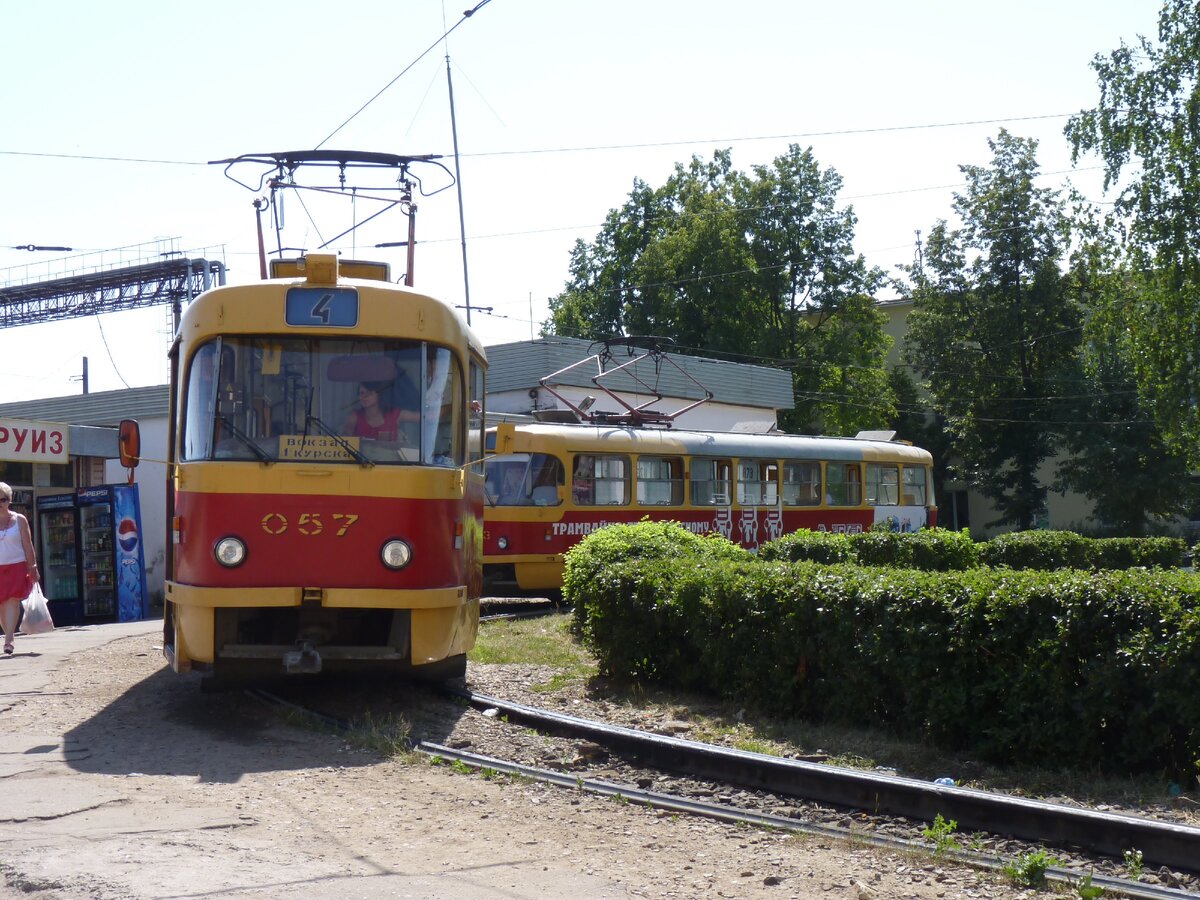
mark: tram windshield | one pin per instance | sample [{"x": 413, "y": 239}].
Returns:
[
  {"x": 523, "y": 479},
  {"x": 328, "y": 400}
]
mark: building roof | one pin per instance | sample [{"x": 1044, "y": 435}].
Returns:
[
  {"x": 521, "y": 365},
  {"x": 102, "y": 408}
]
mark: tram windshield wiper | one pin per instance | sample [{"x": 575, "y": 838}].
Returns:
[
  {"x": 245, "y": 439},
  {"x": 341, "y": 441}
]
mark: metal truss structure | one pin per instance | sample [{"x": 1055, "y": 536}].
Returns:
[{"x": 173, "y": 281}]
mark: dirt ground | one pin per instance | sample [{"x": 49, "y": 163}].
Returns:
[{"x": 120, "y": 779}]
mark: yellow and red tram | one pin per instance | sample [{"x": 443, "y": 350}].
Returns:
[
  {"x": 549, "y": 485},
  {"x": 302, "y": 539}
]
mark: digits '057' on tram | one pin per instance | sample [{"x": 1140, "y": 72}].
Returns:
[
  {"x": 324, "y": 511},
  {"x": 549, "y": 485}
]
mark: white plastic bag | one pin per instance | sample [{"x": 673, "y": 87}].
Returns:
[{"x": 37, "y": 614}]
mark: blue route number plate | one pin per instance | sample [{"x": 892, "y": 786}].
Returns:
[{"x": 322, "y": 307}]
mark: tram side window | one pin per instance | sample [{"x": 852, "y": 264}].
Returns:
[
  {"x": 758, "y": 482},
  {"x": 475, "y": 424},
  {"x": 843, "y": 484},
  {"x": 711, "y": 482},
  {"x": 660, "y": 480},
  {"x": 199, "y": 404},
  {"x": 883, "y": 484},
  {"x": 801, "y": 484},
  {"x": 216, "y": 423},
  {"x": 441, "y": 438},
  {"x": 600, "y": 480},
  {"x": 914, "y": 486}
]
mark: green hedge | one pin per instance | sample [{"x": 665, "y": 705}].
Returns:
[
  {"x": 1068, "y": 550},
  {"x": 1089, "y": 669},
  {"x": 586, "y": 568},
  {"x": 941, "y": 550},
  {"x": 810, "y": 546}
]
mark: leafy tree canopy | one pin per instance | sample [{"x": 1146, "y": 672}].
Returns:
[
  {"x": 1118, "y": 457},
  {"x": 757, "y": 267},
  {"x": 1146, "y": 129},
  {"x": 993, "y": 331}
]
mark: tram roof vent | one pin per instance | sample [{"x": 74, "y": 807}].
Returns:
[{"x": 303, "y": 266}]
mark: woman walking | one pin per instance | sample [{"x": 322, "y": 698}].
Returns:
[{"x": 18, "y": 565}]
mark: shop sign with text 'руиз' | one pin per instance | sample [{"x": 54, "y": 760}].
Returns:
[{"x": 24, "y": 440}]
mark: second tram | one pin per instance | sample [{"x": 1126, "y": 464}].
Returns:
[{"x": 549, "y": 485}]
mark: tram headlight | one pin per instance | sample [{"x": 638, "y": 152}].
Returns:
[
  {"x": 396, "y": 554},
  {"x": 230, "y": 552},
  {"x": 502, "y": 543}
]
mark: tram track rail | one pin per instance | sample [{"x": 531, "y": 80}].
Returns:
[
  {"x": 690, "y": 806},
  {"x": 1103, "y": 834},
  {"x": 1161, "y": 843},
  {"x": 500, "y": 609}
]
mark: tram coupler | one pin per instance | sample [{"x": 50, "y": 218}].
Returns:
[{"x": 304, "y": 661}]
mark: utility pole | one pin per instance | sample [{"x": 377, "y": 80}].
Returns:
[{"x": 462, "y": 228}]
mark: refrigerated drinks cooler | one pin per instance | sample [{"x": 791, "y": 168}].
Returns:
[{"x": 93, "y": 567}]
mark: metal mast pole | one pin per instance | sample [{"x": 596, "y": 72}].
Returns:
[{"x": 462, "y": 228}]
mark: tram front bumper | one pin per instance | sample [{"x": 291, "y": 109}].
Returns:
[{"x": 441, "y": 622}]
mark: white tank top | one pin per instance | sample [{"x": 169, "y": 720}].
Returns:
[{"x": 11, "y": 550}]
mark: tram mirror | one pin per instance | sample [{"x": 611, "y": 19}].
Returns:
[
  {"x": 129, "y": 443},
  {"x": 361, "y": 368}
]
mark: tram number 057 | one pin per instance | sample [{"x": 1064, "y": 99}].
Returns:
[{"x": 309, "y": 524}]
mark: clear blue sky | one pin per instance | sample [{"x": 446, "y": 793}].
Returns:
[{"x": 112, "y": 110}]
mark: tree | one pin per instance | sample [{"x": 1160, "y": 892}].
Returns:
[
  {"x": 1146, "y": 129},
  {"x": 1118, "y": 457},
  {"x": 671, "y": 262},
  {"x": 742, "y": 266},
  {"x": 993, "y": 330},
  {"x": 819, "y": 308}
]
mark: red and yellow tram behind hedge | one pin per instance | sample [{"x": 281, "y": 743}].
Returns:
[
  {"x": 550, "y": 485},
  {"x": 301, "y": 541}
]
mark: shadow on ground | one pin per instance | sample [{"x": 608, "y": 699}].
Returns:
[{"x": 166, "y": 725}]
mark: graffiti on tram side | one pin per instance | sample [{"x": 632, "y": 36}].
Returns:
[
  {"x": 750, "y": 527},
  {"x": 754, "y": 526}
]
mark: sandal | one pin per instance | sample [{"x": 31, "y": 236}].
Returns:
[{"x": 8, "y": 649}]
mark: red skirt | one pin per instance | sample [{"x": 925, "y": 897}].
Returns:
[{"x": 15, "y": 583}]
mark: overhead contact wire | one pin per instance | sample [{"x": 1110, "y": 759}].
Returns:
[{"x": 466, "y": 15}]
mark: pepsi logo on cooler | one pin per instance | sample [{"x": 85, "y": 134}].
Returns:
[{"x": 127, "y": 535}]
